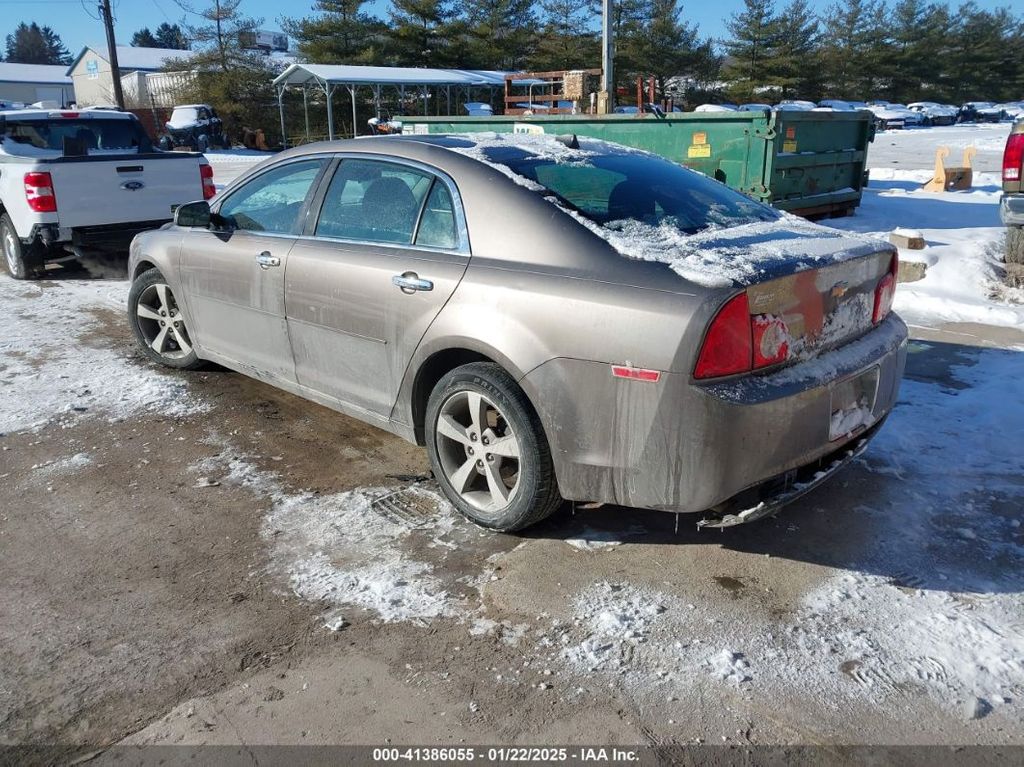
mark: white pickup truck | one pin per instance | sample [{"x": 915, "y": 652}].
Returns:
[{"x": 79, "y": 183}]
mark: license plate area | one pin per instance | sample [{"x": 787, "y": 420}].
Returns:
[{"x": 853, "y": 404}]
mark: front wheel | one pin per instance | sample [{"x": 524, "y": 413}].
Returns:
[
  {"x": 488, "y": 450},
  {"x": 23, "y": 261},
  {"x": 158, "y": 324}
]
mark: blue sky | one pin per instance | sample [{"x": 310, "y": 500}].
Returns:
[{"x": 73, "y": 22}]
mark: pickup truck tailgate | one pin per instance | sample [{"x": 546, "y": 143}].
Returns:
[{"x": 95, "y": 192}]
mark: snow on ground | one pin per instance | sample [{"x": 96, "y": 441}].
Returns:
[
  {"x": 49, "y": 369},
  {"x": 864, "y": 637},
  {"x": 341, "y": 551},
  {"x": 964, "y": 240}
]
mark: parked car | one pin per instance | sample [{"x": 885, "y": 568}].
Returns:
[
  {"x": 886, "y": 118},
  {"x": 1011, "y": 204},
  {"x": 836, "y": 105},
  {"x": 196, "y": 127},
  {"x": 796, "y": 106},
  {"x": 933, "y": 113},
  {"x": 716, "y": 108},
  {"x": 1011, "y": 110},
  {"x": 78, "y": 183},
  {"x": 979, "y": 112},
  {"x": 755, "y": 108},
  {"x": 515, "y": 304}
]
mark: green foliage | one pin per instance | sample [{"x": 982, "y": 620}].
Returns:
[
  {"x": 339, "y": 32},
  {"x": 170, "y": 36},
  {"x": 217, "y": 39},
  {"x": 32, "y": 44},
  {"x": 144, "y": 39}
]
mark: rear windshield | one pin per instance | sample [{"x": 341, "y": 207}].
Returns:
[
  {"x": 611, "y": 189},
  {"x": 97, "y": 133}
]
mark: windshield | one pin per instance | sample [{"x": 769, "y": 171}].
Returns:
[
  {"x": 111, "y": 134},
  {"x": 615, "y": 189},
  {"x": 184, "y": 116}
]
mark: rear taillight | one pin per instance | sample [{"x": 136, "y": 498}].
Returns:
[
  {"x": 885, "y": 292},
  {"x": 39, "y": 192},
  {"x": 206, "y": 175},
  {"x": 728, "y": 344},
  {"x": 771, "y": 340},
  {"x": 1013, "y": 157}
]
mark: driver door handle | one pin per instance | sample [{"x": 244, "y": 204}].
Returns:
[
  {"x": 265, "y": 260},
  {"x": 411, "y": 282}
]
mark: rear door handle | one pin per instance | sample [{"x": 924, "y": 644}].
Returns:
[
  {"x": 265, "y": 260},
  {"x": 410, "y": 282}
]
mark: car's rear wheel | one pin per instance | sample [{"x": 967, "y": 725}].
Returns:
[
  {"x": 158, "y": 324},
  {"x": 488, "y": 450},
  {"x": 23, "y": 261}
]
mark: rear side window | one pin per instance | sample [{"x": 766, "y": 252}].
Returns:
[
  {"x": 437, "y": 226},
  {"x": 272, "y": 201},
  {"x": 374, "y": 201},
  {"x": 616, "y": 189},
  {"x": 111, "y": 134}
]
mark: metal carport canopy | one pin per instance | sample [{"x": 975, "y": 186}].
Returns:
[{"x": 329, "y": 76}]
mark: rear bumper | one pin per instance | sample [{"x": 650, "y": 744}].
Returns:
[
  {"x": 1011, "y": 209},
  {"x": 114, "y": 238},
  {"x": 676, "y": 445}
]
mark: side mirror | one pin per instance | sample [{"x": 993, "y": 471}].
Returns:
[{"x": 194, "y": 215}]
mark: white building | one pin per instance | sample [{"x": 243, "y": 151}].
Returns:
[
  {"x": 140, "y": 69},
  {"x": 29, "y": 83}
]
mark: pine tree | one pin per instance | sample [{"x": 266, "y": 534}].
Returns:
[
  {"x": 341, "y": 33},
  {"x": 144, "y": 39},
  {"x": 753, "y": 44},
  {"x": 793, "y": 67},
  {"x": 564, "y": 41},
  {"x": 501, "y": 33},
  {"x": 170, "y": 36},
  {"x": 419, "y": 32},
  {"x": 32, "y": 44},
  {"x": 851, "y": 49},
  {"x": 667, "y": 46}
]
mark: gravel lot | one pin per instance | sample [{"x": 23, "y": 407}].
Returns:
[{"x": 202, "y": 559}]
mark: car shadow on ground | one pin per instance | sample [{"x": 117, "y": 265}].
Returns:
[{"x": 937, "y": 502}]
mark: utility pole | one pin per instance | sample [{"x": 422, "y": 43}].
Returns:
[
  {"x": 606, "y": 98},
  {"x": 115, "y": 70}
]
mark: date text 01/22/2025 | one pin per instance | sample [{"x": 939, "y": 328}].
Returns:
[{"x": 597, "y": 754}]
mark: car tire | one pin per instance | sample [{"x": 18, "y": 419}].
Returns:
[
  {"x": 23, "y": 261},
  {"x": 157, "y": 323},
  {"x": 203, "y": 143},
  {"x": 1015, "y": 244},
  {"x": 513, "y": 487}
]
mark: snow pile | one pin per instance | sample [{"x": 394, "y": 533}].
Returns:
[
  {"x": 964, "y": 247},
  {"x": 52, "y": 371},
  {"x": 729, "y": 666},
  {"x": 336, "y": 549}
]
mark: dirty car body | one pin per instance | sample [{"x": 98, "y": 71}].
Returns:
[{"x": 681, "y": 347}]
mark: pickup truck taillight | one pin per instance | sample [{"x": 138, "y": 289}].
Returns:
[
  {"x": 1013, "y": 157},
  {"x": 39, "y": 192},
  {"x": 206, "y": 175}
]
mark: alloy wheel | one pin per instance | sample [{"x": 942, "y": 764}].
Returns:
[
  {"x": 161, "y": 322},
  {"x": 478, "y": 451}
]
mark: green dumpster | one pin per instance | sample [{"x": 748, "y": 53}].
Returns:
[{"x": 809, "y": 163}]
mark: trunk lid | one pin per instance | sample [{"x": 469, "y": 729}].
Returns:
[{"x": 807, "y": 312}]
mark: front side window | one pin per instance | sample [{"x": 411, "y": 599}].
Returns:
[
  {"x": 272, "y": 201},
  {"x": 373, "y": 201}
]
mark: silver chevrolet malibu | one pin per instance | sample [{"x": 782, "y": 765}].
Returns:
[{"x": 552, "y": 317}]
